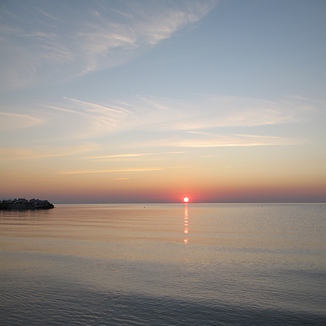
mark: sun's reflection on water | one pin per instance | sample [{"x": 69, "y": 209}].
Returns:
[{"x": 186, "y": 224}]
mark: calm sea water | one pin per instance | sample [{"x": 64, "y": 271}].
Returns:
[{"x": 161, "y": 264}]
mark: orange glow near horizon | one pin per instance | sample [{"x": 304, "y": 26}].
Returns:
[{"x": 154, "y": 187}]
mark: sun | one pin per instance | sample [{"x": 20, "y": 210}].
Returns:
[{"x": 186, "y": 199}]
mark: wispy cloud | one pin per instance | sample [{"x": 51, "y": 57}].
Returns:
[
  {"x": 104, "y": 157},
  {"x": 65, "y": 41},
  {"x": 161, "y": 118},
  {"x": 206, "y": 112},
  {"x": 109, "y": 42},
  {"x": 127, "y": 156},
  {"x": 223, "y": 111},
  {"x": 13, "y": 121},
  {"x": 149, "y": 122},
  {"x": 210, "y": 140},
  {"x": 129, "y": 170},
  {"x": 84, "y": 120},
  {"x": 43, "y": 152}
]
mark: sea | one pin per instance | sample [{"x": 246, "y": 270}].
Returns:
[{"x": 164, "y": 264}]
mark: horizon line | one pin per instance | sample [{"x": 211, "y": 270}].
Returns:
[{"x": 189, "y": 203}]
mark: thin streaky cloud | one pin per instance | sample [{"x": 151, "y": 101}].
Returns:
[
  {"x": 220, "y": 111},
  {"x": 119, "y": 156},
  {"x": 40, "y": 34},
  {"x": 81, "y": 42},
  {"x": 47, "y": 15},
  {"x": 13, "y": 121},
  {"x": 168, "y": 20},
  {"x": 224, "y": 111},
  {"x": 98, "y": 107},
  {"x": 131, "y": 170},
  {"x": 93, "y": 119},
  {"x": 85, "y": 120},
  {"x": 63, "y": 109},
  {"x": 43, "y": 152},
  {"x": 229, "y": 141},
  {"x": 232, "y": 111},
  {"x": 130, "y": 155}
]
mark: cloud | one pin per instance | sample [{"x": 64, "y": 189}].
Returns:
[
  {"x": 43, "y": 152},
  {"x": 162, "y": 118},
  {"x": 64, "y": 41},
  {"x": 167, "y": 20},
  {"x": 147, "y": 122},
  {"x": 13, "y": 121},
  {"x": 83, "y": 120},
  {"x": 119, "y": 156},
  {"x": 207, "y": 112},
  {"x": 215, "y": 140},
  {"x": 129, "y": 170},
  {"x": 128, "y": 156}
]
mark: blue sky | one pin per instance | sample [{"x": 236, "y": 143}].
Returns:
[{"x": 205, "y": 93}]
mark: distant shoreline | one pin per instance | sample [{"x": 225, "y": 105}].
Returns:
[{"x": 25, "y": 204}]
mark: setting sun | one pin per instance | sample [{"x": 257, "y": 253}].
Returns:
[{"x": 186, "y": 199}]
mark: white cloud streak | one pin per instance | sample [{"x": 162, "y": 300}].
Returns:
[
  {"x": 205, "y": 121},
  {"x": 127, "y": 156},
  {"x": 44, "y": 152},
  {"x": 14, "y": 121},
  {"x": 160, "y": 117},
  {"x": 210, "y": 141},
  {"x": 129, "y": 170},
  {"x": 83, "y": 120},
  {"x": 68, "y": 42}
]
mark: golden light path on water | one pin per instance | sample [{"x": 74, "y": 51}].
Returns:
[{"x": 186, "y": 224}]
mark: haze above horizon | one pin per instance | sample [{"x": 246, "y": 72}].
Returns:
[{"x": 138, "y": 101}]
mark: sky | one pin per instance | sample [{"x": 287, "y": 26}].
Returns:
[{"x": 151, "y": 101}]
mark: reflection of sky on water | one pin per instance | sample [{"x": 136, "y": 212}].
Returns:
[
  {"x": 186, "y": 224},
  {"x": 94, "y": 263}
]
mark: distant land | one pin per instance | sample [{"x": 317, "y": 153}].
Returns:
[{"x": 25, "y": 204}]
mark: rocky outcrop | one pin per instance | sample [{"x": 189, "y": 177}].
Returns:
[{"x": 24, "y": 204}]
